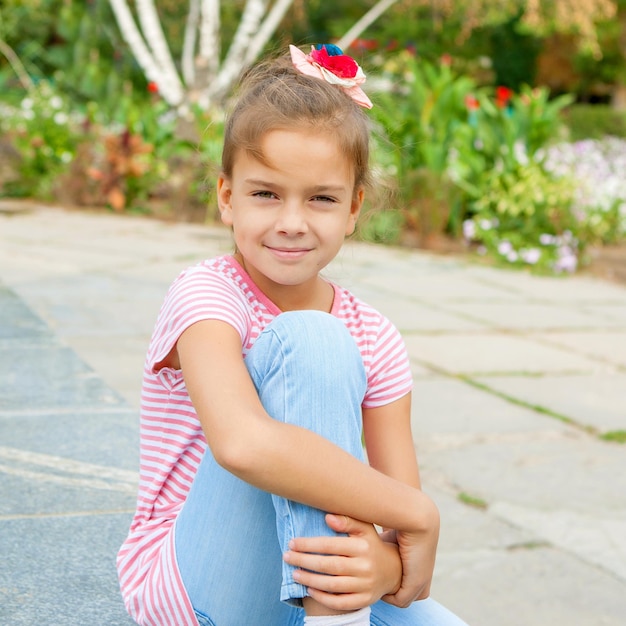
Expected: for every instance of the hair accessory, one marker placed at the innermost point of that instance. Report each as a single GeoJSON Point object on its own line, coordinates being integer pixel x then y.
{"type": "Point", "coordinates": [328, 62]}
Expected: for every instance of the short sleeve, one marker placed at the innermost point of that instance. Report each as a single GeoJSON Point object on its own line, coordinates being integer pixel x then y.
{"type": "Point", "coordinates": [198, 294]}
{"type": "Point", "coordinates": [389, 376]}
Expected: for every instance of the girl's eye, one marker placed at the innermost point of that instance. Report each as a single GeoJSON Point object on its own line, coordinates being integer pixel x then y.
{"type": "Point", "coordinates": [323, 199]}
{"type": "Point", "coordinates": [263, 194]}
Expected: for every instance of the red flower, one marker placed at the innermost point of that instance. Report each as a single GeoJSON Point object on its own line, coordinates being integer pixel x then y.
{"type": "Point", "coordinates": [153, 87]}
{"type": "Point", "coordinates": [446, 60]}
{"type": "Point", "coordinates": [503, 95]}
{"type": "Point", "coordinates": [340, 65]}
{"type": "Point", "coordinates": [471, 102]}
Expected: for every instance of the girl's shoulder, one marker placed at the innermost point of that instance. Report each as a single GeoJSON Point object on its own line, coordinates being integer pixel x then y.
{"type": "Point", "coordinates": [349, 306]}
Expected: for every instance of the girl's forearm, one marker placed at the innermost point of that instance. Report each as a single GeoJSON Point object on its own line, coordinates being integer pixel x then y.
{"type": "Point", "coordinates": [300, 465]}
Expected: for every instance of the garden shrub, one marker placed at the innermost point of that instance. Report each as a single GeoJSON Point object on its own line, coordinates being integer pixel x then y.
{"type": "Point", "coordinates": [594, 121]}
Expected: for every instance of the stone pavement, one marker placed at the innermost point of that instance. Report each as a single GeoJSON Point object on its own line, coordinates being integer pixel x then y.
{"type": "Point", "coordinates": [516, 380]}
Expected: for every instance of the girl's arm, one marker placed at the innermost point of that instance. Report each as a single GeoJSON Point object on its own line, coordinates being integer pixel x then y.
{"type": "Point", "coordinates": [390, 449]}
{"type": "Point", "coordinates": [281, 458]}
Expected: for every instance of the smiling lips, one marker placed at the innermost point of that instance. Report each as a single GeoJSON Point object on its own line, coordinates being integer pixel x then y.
{"type": "Point", "coordinates": [288, 253]}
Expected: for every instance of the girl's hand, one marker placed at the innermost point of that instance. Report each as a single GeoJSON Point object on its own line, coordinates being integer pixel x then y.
{"type": "Point", "coordinates": [346, 573]}
{"type": "Point", "coordinates": [417, 551]}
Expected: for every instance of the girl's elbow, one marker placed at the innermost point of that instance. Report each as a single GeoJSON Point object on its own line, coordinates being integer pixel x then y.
{"type": "Point", "coordinates": [233, 455]}
{"type": "Point", "coordinates": [239, 453]}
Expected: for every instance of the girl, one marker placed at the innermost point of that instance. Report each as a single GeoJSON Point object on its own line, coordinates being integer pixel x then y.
{"type": "Point", "coordinates": [261, 378]}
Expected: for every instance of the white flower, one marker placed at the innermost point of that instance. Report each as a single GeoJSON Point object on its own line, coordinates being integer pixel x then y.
{"type": "Point", "coordinates": [567, 261]}
{"type": "Point", "coordinates": [512, 256]}
{"type": "Point", "coordinates": [486, 224]}
{"type": "Point", "coordinates": [469, 229]}
{"type": "Point", "coordinates": [520, 153]}
{"type": "Point", "coordinates": [56, 102]}
{"type": "Point", "coordinates": [547, 240]}
{"type": "Point", "coordinates": [28, 114]}
{"type": "Point", "coordinates": [505, 247]}
{"type": "Point", "coordinates": [27, 104]}
{"type": "Point", "coordinates": [531, 255]}
{"type": "Point", "coordinates": [60, 118]}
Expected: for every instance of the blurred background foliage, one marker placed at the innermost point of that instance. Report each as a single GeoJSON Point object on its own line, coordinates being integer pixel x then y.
{"type": "Point", "coordinates": [463, 121]}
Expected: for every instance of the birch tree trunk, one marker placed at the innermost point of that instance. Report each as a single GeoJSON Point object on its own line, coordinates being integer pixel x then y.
{"type": "Point", "coordinates": [199, 77]}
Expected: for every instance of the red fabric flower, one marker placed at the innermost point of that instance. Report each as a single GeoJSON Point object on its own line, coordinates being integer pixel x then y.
{"type": "Point", "coordinates": [339, 64]}
{"type": "Point", "coordinates": [153, 87]}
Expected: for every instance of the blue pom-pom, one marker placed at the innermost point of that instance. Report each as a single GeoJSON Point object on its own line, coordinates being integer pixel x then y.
{"type": "Point", "coordinates": [331, 49]}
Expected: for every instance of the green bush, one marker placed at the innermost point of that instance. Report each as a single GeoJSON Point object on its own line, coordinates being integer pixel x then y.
{"type": "Point", "coordinates": [45, 134]}
{"type": "Point", "coordinates": [594, 121]}
{"type": "Point", "coordinates": [418, 116]}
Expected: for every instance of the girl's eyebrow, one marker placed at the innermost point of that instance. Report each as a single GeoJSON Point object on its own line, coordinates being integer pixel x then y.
{"type": "Point", "coordinates": [257, 182]}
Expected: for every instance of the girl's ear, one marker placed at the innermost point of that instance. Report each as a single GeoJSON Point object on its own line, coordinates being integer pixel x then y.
{"type": "Point", "coordinates": [355, 210]}
{"type": "Point", "coordinates": [224, 194]}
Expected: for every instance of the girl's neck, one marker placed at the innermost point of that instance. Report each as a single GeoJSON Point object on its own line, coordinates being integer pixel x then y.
{"type": "Point", "coordinates": [319, 295]}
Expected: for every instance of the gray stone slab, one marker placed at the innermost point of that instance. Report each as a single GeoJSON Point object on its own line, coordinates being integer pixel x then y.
{"type": "Point", "coordinates": [44, 377]}
{"type": "Point", "coordinates": [29, 491]}
{"type": "Point", "coordinates": [121, 368]}
{"type": "Point", "coordinates": [526, 316]}
{"type": "Point", "coordinates": [466, 528]}
{"type": "Point", "coordinates": [609, 346]}
{"type": "Point", "coordinates": [95, 305]}
{"type": "Point", "coordinates": [494, 353]}
{"type": "Point", "coordinates": [492, 560]}
{"type": "Point", "coordinates": [569, 471]}
{"type": "Point", "coordinates": [410, 316]}
{"type": "Point", "coordinates": [440, 284]}
{"type": "Point", "coordinates": [539, 586]}
{"type": "Point", "coordinates": [61, 570]}
{"type": "Point", "coordinates": [595, 539]}
{"type": "Point", "coordinates": [573, 290]}
{"type": "Point", "coordinates": [103, 437]}
{"type": "Point", "coordinates": [448, 405]}
{"type": "Point", "coordinates": [610, 315]}
{"type": "Point", "coordinates": [594, 400]}
{"type": "Point", "coordinates": [17, 321]}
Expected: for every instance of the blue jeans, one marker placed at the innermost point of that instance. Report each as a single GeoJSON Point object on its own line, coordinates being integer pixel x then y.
{"type": "Point", "coordinates": [230, 536]}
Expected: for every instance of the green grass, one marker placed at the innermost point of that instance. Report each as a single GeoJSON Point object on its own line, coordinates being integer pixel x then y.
{"type": "Point", "coordinates": [477, 503]}
{"type": "Point", "coordinates": [616, 436]}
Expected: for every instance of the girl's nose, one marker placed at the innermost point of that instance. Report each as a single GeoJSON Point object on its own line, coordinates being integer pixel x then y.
{"type": "Point", "coordinates": [291, 220]}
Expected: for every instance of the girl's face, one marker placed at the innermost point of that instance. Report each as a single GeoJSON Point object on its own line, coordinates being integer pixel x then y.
{"type": "Point", "coordinates": [290, 215]}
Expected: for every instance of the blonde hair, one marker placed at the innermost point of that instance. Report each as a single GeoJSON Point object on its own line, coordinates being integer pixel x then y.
{"type": "Point", "coordinates": [273, 95]}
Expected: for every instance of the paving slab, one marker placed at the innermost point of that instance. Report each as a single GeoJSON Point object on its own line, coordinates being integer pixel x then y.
{"type": "Point", "coordinates": [442, 405]}
{"type": "Point", "coordinates": [492, 352]}
{"type": "Point", "coordinates": [416, 317]}
{"type": "Point", "coordinates": [68, 459]}
{"type": "Point", "coordinates": [547, 548]}
{"type": "Point", "coordinates": [541, 586]}
{"type": "Point", "coordinates": [522, 316]}
{"type": "Point", "coordinates": [550, 471]}
{"type": "Point", "coordinates": [61, 570]}
{"type": "Point", "coordinates": [597, 400]}
{"type": "Point", "coordinates": [574, 290]}
{"type": "Point", "coordinates": [607, 346]}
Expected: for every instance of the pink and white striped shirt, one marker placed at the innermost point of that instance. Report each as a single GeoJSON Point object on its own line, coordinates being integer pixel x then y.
{"type": "Point", "coordinates": [171, 438]}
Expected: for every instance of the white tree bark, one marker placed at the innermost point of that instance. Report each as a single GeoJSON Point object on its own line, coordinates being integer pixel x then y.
{"type": "Point", "coordinates": [210, 36]}
{"type": "Point", "coordinates": [369, 18]}
{"type": "Point", "coordinates": [166, 78]}
{"type": "Point", "coordinates": [189, 43]}
{"type": "Point", "coordinates": [249, 40]}
{"type": "Point", "coordinates": [204, 79]}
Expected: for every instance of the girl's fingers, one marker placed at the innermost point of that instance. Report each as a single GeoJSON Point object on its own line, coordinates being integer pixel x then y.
{"type": "Point", "coordinates": [328, 565]}
{"type": "Point", "coordinates": [341, 601]}
{"type": "Point", "coordinates": [345, 546]}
